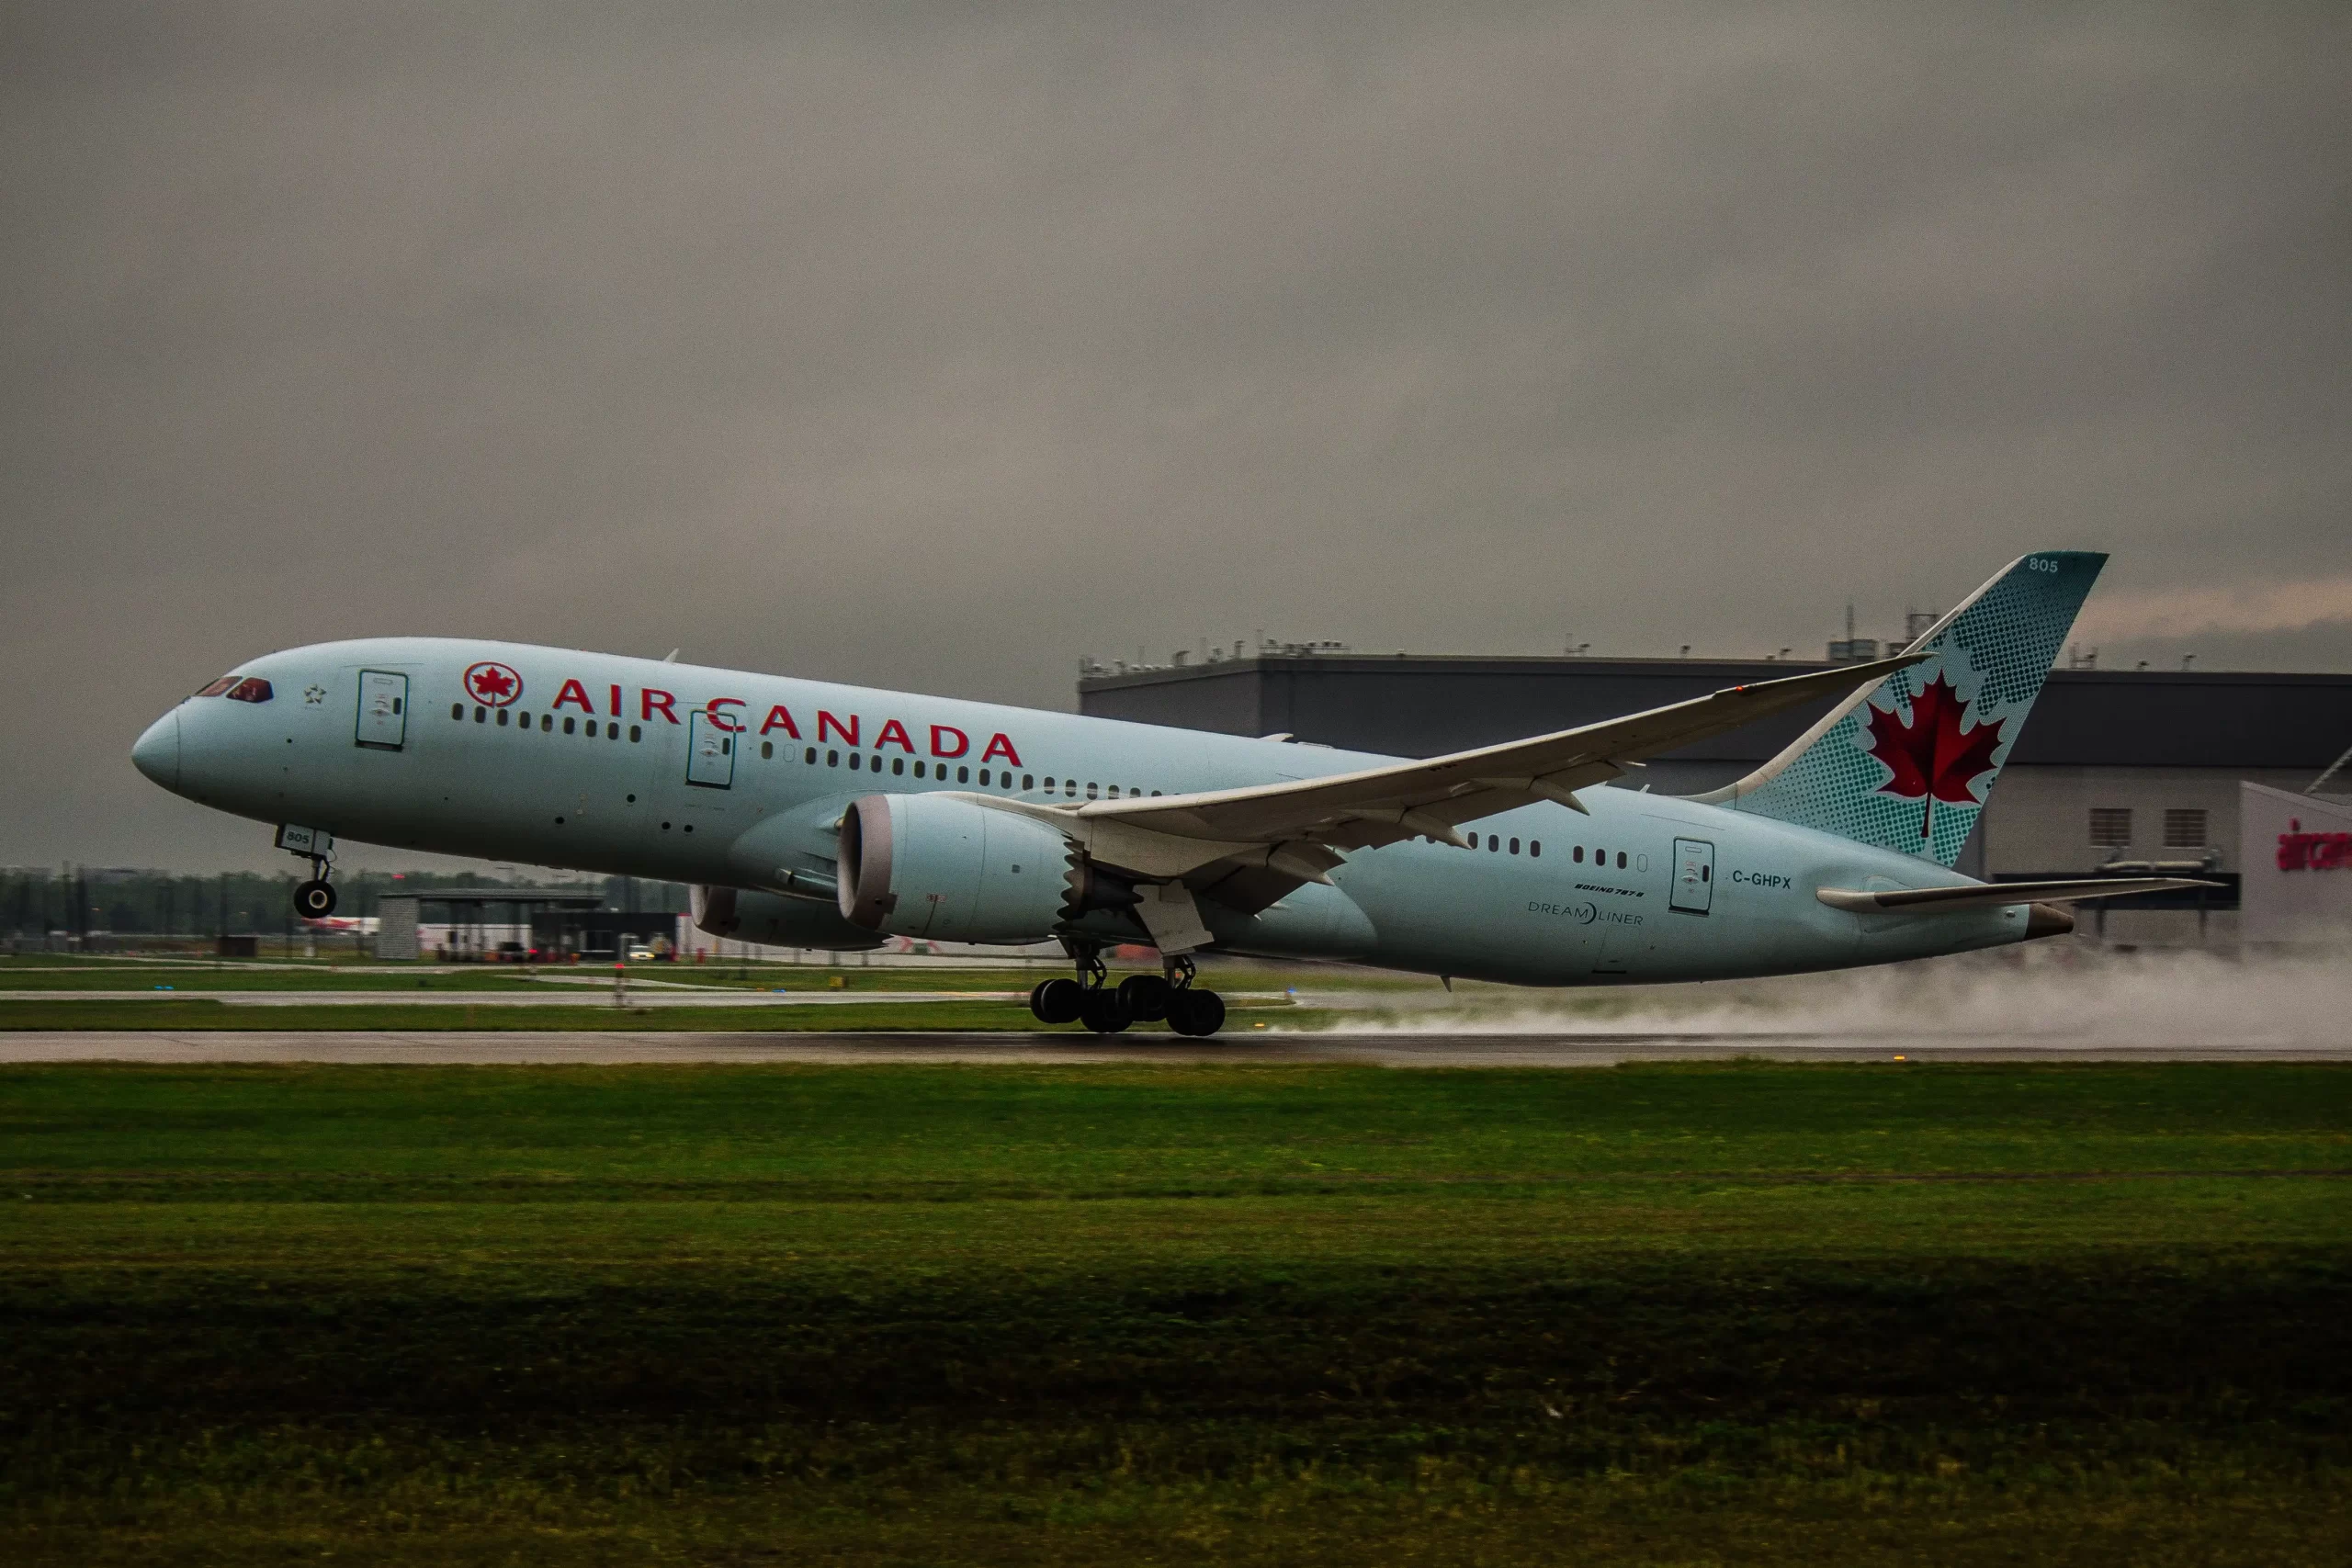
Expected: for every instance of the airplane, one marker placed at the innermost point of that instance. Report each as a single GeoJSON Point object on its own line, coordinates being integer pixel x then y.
{"type": "Point", "coordinates": [807, 814]}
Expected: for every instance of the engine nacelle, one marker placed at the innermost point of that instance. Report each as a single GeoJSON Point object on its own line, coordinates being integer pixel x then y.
{"type": "Point", "coordinates": [926, 865]}
{"type": "Point", "coordinates": [774, 920]}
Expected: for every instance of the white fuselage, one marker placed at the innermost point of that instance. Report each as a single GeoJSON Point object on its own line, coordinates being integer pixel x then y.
{"type": "Point", "coordinates": [693, 775]}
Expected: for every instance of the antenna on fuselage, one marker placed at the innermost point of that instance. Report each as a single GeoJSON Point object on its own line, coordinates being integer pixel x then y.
{"type": "Point", "coordinates": [670, 656]}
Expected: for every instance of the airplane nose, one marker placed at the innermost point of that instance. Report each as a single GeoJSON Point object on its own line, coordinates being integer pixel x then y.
{"type": "Point", "coordinates": [157, 753]}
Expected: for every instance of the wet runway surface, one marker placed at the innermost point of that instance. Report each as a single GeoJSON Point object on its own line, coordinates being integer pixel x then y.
{"type": "Point", "coordinates": [1593, 1048]}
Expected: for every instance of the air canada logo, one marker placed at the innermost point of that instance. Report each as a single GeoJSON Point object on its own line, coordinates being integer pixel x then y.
{"type": "Point", "coordinates": [1936, 756]}
{"type": "Point", "coordinates": [493, 685]}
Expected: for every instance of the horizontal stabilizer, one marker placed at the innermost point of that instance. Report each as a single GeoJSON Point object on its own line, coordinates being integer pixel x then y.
{"type": "Point", "coordinates": [1987, 895]}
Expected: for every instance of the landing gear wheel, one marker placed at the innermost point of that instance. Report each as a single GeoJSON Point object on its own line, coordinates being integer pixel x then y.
{"type": "Point", "coordinates": [1058, 1001]}
{"type": "Point", "coordinates": [314, 899]}
{"type": "Point", "coordinates": [1105, 1011]}
{"type": "Point", "coordinates": [1146, 996]}
{"type": "Point", "coordinates": [1197, 1013]}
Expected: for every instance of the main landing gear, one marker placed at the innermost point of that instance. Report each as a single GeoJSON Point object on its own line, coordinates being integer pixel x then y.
{"type": "Point", "coordinates": [1090, 998]}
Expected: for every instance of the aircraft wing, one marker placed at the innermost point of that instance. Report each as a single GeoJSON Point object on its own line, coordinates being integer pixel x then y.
{"type": "Point", "coordinates": [1297, 827]}
{"type": "Point", "coordinates": [1996, 895]}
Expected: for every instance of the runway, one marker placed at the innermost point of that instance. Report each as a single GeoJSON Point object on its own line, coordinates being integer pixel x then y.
{"type": "Point", "coordinates": [1595, 1048]}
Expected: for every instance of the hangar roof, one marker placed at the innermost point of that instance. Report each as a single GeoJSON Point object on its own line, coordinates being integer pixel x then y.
{"type": "Point", "coordinates": [1421, 704]}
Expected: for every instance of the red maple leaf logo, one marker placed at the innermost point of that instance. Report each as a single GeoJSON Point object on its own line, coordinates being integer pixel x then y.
{"type": "Point", "coordinates": [493, 683]}
{"type": "Point", "coordinates": [1933, 758]}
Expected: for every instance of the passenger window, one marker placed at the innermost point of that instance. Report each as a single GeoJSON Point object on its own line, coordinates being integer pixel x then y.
{"type": "Point", "coordinates": [1115, 792]}
{"type": "Point", "coordinates": [1577, 854]}
{"type": "Point", "coordinates": [482, 715]}
{"type": "Point", "coordinates": [898, 764]}
{"type": "Point", "coordinates": [1493, 843]}
{"type": "Point", "coordinates": [833, 759]}
{"type": "Point", "coordinates": [1514, 846]}
{"type": "Point", "coordinates": [1535, 847]}
{"type": "Point", "coordinates": [1069, 788]}
{"type": "Point", "coordinates": [856, 761]}
{"type": "Point", "coordinates": [984, 775]}
{"type": "Point", "coordinates": [963, 776]}
{"type": "Point", "coordinates": [612, 732]}
{"type": "Point", "coordinates": [570, 724]}
{"type": "Point", "coordinates": [811, 759]}
{"type": "Point", "coordinates": [504, 718]}
{"type": "Point", "coordinates": [1621, 860]}
{"type": "Point", "coordinates": [1028, 781]}
{"type": "Point", "coordinates": [767, 750]}
{"type": "Point", "coordinates": [457, 710]}
{"type": "Point", "coordinates": [919, 772]}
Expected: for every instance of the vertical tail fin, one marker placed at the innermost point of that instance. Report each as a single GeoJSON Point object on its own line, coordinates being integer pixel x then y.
{"type": "Point", "coordinates": [1909, 763]}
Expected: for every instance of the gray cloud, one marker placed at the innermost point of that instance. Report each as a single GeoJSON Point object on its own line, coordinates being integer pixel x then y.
{"type": "Point", "coordinates": [935, 347]}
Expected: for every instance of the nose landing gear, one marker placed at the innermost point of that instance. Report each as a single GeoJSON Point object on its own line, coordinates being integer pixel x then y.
{"type": "Point", "coordinates": [313, 899]}
{"type": "Point", "coordinates": [1090, 998]}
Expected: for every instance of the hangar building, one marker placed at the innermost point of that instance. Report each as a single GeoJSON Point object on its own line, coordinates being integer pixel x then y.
{"type": "Point", "coordinates": [2113, 765]}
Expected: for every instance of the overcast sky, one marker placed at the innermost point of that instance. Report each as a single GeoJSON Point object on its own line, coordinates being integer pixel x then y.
{"type": "Point", "coordinates": [935, 347]}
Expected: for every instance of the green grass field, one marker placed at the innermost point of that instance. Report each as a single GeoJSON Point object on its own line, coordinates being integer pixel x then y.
{"type": "Point", "coordinates": [1731, 1313]}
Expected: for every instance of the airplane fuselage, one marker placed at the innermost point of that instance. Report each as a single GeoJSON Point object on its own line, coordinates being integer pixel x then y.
{"type": "Point", "coordinates": [700, 775]}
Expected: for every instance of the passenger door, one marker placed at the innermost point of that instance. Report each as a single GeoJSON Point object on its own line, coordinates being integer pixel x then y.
{"type": "Point", "coordinates": [383, 710]}
{"type": "Point", "coordinates": [1695, 876]}
{"type": "Point", "coordinates": [710, 752]}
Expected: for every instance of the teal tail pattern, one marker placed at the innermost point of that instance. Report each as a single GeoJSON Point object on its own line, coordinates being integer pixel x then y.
{"type": "Point", "coordinates": [1908, 764]}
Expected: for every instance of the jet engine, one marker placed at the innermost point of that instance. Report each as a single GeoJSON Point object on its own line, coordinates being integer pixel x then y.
{"type": "Point", "coordinates": [927, 865]}
{"type": "Point", "coordinates": [775, 921]}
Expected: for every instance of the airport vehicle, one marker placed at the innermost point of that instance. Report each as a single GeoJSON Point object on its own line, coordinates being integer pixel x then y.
{"type": "Point", "coordinates": [813, 814]}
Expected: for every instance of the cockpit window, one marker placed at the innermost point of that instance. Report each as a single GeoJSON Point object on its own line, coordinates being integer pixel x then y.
{"type": "Point", "coordinates": [251, 689]}
{"type": "Point", "coordinates": [218, 687]}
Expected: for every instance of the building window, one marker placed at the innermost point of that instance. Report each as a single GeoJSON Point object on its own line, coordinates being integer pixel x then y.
{"type": "Point", "coordinates": [2184, 827]}
{"type": "Point", "coordinates": [2111, 827]}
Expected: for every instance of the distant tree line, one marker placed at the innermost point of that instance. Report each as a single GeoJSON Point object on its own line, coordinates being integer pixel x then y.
{"type": "Point", "coordinates": [79, 900]}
